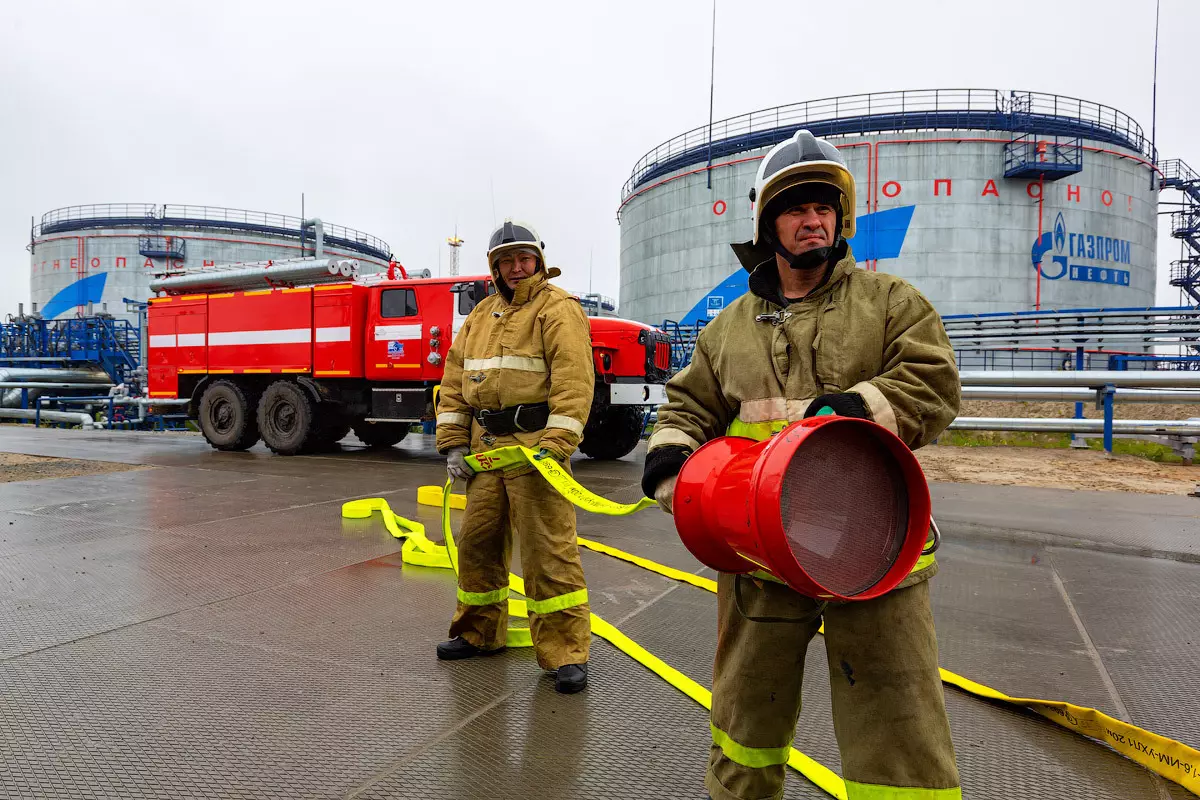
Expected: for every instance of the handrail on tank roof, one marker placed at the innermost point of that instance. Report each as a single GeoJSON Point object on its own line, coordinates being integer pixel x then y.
{"type": "Point", "coordinates": [151, 216]}
{"type": "Point", "coordinates": [920, 109]}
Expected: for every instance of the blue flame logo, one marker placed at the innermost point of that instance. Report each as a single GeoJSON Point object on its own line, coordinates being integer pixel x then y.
{"type": "Point", "coordinates": [1060, 233]}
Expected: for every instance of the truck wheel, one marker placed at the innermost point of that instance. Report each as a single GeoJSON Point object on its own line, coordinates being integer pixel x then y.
{"type": "Point", "coordinates": [381, 434]}
{"type": "Point", "coordinates": [286, 418]}
{"type": "Point", "coordinates": [227, 417]}
{"type": "Point", "coordinates": [613, 434]}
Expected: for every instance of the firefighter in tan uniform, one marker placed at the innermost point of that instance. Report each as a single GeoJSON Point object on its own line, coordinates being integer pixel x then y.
{"type": "Point", "coordinates": [814, 331]}
{"type": "Point", "coordinates": [519, 372]}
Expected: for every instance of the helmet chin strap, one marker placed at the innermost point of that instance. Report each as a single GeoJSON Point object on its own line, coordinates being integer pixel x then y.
{"type": "Point", "coordinates": [808, 260]}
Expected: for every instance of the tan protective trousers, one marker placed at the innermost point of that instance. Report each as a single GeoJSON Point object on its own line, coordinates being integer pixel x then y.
{"type": "Point", "coordinates": [559, 619]}
{"type": "Point", "coordinates": [889, 713]}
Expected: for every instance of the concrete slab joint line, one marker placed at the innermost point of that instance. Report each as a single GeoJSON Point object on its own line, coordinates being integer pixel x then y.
{"type": "Point", "coordinates": [1160, 784]}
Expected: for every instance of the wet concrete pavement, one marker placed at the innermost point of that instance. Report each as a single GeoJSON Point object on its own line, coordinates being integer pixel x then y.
{"type": "Point", "coordinates": [211, 627]}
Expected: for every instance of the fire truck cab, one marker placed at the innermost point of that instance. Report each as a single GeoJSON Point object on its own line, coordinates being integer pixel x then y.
{"type": "Point", "coordinates": [300, 367]}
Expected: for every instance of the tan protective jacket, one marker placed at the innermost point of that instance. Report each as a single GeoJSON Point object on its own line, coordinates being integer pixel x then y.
{"type": "Point", "coordinates": [534, 347]}
{"type": "Point", "coordinates": [864, 332]}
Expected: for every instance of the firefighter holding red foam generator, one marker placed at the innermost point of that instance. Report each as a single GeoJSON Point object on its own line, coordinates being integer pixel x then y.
{"type": "Point", "coordinates": [519, 373]}
{"type": "Point", "coordinates": [815, 333]}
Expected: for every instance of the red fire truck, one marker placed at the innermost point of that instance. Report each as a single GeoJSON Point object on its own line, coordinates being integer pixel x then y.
{"type": "Point", "coordinates": [300, 367]}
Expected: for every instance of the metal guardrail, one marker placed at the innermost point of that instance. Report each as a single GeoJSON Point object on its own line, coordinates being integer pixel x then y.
{"type": "Point", "coordinates": [152, 216]}
{"type": "Point", "coordinates": [96, 211]}
{"type": "Point", "coordinates": [1105, 384]}
{"type": "Point", "coordinates": [1177, 171]}
{"type": "Point", "coordinates": [966, 109]}
{"type": "Point", "coordinates": [1092, 379]}
{"type": "Point", "coordinates": [1077, 394]}
{"type": "Point", "coordinates": [1141, 427]}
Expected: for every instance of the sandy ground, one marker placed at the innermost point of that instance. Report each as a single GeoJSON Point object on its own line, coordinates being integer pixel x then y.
{"type": "Point", "coordinates": [17, 467]}
{"type": "Point", "coordinates": [1003, 466]}
{"type": "Point", "coordinates": [1056, 469]}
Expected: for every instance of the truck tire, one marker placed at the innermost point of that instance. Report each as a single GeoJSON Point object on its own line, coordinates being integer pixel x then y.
{"type": "Point", "coordinates": [287, 418]}
{"type": "Point", "coordinates": [227, 417]}
{"type": "Point", "coordinates": [613, 434]}
{"type": "Point", "coordinates": [381, 434]}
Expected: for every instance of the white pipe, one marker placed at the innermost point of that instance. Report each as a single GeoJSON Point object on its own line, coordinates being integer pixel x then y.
{"type": "Point", "coordinates": [99, 387]}
{"type": "Point", "coordinates": [319, 234]}
{"type": "Point", "coordinates": [258, 273]}
{"type": "Point", "coordinates": [1081, 394]}
{"type": "Point", "coordinates": [1095, 379]}
{"type": "Point", "coordinates": [54, 374]}
{"type": "Point", "coordinates": [1188, 427]}
{"type": "Point", "coordinates": [74, 417]}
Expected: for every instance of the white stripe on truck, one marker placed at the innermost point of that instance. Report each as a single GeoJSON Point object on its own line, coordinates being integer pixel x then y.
{"type": "Point", "coordinates": [227, 338]}
{"type": "Point", "coordinates": [333, 334]}
{"type": "Point", "coordinates": [385, 333]}
{"type": "Point", "coordinates": [277, 336]}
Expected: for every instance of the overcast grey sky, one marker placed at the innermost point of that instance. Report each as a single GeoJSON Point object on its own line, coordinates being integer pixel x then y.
{"type": "Point", "coordinates": [399, 118]}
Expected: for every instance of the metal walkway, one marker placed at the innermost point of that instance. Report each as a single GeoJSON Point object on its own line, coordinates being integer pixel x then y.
{"type": "Point", "coordinates": [211, 627]}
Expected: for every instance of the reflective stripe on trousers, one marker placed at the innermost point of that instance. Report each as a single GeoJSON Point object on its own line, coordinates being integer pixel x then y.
{"type": "Point", "coordinates": [889, 715]}
{"type": "Point", "coordinates": [759, 757]}
{"type": "Point", "coordinates": [761, 431]}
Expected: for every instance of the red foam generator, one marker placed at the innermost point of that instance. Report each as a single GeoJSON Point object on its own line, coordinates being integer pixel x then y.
{"type": "Point", "coordinates": [835, 507]}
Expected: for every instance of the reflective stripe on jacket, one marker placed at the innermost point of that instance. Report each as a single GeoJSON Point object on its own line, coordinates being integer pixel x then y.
{"type": "Point", "coordinates": [533, 348]}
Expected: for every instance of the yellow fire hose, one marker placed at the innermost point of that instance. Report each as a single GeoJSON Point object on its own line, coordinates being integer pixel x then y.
{"type": "Point", "coordinates": [1169, 758]}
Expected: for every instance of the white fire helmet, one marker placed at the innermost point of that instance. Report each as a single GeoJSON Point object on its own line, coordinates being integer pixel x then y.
{"type": "Point", "coordinates": [512, 236]}
{"type": "Point", "coordinates": [802, 159]}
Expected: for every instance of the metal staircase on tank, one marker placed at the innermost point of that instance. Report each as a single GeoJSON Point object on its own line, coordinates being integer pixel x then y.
{"type": "Point", "coordinates": [683, 340]}
{"type": "Point", "coordinates": [1185, 225]}
{"type": "Point", "coordinates": [1037, 156]}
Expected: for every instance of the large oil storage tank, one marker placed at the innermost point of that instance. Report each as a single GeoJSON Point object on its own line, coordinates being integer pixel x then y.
{"type": "Point", "coordinates": [963, 192]}
{"type": "Point", "coordinates": [104, 254]}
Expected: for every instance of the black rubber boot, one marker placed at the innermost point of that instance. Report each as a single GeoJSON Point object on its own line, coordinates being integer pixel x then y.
{"type": "Point", "coordinates": [459, 648]}
{"type": "Point", "coordinates": [571, 678]}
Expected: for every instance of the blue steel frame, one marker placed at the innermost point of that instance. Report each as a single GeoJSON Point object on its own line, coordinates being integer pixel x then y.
{"type": "Point", "coordinates": [111, 343]}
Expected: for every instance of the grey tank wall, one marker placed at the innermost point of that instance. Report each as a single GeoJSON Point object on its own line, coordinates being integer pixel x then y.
{"type": "Point", "coordinates": [927, 213]}
{"type": "Point", "coordinates": [67, 260]}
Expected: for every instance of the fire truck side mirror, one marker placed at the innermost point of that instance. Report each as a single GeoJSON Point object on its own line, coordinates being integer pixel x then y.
{"type": "Point", "coordinates": [479, 291]}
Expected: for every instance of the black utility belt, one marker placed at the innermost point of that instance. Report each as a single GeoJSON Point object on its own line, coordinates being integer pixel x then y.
{"type": "Point", "coordinates": [516, 419]}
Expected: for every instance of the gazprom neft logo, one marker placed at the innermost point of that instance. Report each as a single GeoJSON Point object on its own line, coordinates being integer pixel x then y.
{"type": "Point", "coordinates": [1074, 251]}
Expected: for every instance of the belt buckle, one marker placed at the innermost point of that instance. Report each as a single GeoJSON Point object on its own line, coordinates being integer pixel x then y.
{"type": "Point", "coordinates": [517, 419]}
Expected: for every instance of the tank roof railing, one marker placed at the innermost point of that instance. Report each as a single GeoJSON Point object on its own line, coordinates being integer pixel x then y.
{"type": "Point", "coordinates": [98, 211]}
{"type": "Point", "coordinates": [920, 109]}
{"type": "Point", "coordinates": [174, 214]}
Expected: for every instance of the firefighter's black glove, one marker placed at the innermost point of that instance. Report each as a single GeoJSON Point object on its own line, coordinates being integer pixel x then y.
{"type": "Point", "coordinates": [846, 404]}
{"type": "Point", "coordinates": [663, 463]}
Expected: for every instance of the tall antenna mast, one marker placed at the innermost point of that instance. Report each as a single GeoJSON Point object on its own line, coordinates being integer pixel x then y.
{"type": "Point", "coordinates": [712, 82]}
{"type": "Point", "coordinates": [455, 243]}
{"type": "Point", "coordinates": [1154, 104]}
